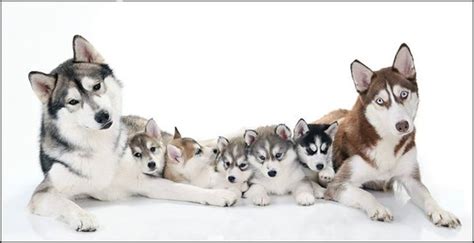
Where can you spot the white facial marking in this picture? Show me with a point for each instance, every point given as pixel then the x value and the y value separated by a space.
pixel 88 83
pixel 313 147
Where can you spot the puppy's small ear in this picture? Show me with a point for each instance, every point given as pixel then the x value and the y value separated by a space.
pixel 283 131
pixel 404 62
pixel 174 153
pixel 85 52
pixel 152 129
pixel 176 133
pixel 301 129
pixel 332 129
pixel 361 75
pixel 42 84
pixel 250 136
pixel 222 143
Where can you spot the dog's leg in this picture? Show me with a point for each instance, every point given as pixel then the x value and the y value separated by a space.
pixel 160 188
pixel 318 190
pixel 353 196
pixel 258 195
pixel 423 199
pixel 303 193
pixel 46 201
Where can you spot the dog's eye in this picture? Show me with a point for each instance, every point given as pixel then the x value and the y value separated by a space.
pixel 96 87
pixel 310 150
pixel 73 102
pixel 227 164
pixel 198 151
pixel 243 166
pixel 137 154
pixel 278 155
pixel 152 149
pixel 261 157
pixel 379 101
pixel 404 94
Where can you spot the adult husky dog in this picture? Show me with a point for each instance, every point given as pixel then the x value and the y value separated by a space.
pixel 375 142
pixel 82 141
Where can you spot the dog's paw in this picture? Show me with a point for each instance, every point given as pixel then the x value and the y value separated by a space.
pixel 305 199
pixel 83 222
pixel 443 218
pixel 261 200
pixel 326 175
pixel 380 213
pixel 319 193
pixel 223 198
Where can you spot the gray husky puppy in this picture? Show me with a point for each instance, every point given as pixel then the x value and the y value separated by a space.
pixel 273 157
pixel 82 141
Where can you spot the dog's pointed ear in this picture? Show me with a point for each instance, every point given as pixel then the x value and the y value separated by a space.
pixel 301 129
pixel 152 129
pixel 404 62
pixel 176 133
pixel 283 131
pixel 250 136
pixel 85 52
pixel 174 153
pixel 361 75
pixel 222 143
pixel 332 129
pixel 42 84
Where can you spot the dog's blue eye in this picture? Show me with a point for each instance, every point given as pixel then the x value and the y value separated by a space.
pixel 73 102
pixel 404 94
pixel 96 87
pixel 379 101
pixel 137 154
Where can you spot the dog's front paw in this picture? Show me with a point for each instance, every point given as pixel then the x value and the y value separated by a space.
pixel 261 200
pixel 443 218
pixel 380 213
pixel 326 175
pixel 83 222
pixel 319 192
pixel 223 198
pixel 305 199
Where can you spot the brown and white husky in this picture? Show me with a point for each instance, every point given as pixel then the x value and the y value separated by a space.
pixel 375 143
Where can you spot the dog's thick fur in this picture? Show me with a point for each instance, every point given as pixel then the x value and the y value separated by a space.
pixel 82 141
pixel 375 143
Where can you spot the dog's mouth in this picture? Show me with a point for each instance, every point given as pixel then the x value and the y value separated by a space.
pixel 107 125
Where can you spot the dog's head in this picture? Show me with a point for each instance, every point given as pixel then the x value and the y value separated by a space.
pixel 389 96
pixel 233 160
pixel 270 151
pixel 148 150
pixel 82 92
pixel 189 154
pixel 314 144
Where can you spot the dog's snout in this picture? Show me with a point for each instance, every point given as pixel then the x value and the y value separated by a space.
pixel 151 165
pixel 231 179
pixel 272 173
pixel 319 166
pixel 102 117
pixel 402 126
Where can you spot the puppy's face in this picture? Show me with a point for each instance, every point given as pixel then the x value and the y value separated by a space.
pixel 269 153
pixel 188 153
pixel 233 160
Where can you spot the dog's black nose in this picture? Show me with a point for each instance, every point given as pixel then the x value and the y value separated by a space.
pixel 272 173
pixel 102 117
pixel 319 166
pixel 151 165
pixel 231 179
pixel 402 126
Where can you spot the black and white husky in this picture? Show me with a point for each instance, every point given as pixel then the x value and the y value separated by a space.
pixel 314 148
pixel 83 139
pixel 272 155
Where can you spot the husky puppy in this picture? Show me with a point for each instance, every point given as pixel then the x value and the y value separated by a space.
pixel 276 168
pixel 232 164
pixel 189 162
pixel 82 141
pixel 313 144
pixel 375 141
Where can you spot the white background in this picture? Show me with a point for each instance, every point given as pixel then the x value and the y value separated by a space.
pixel 212 68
